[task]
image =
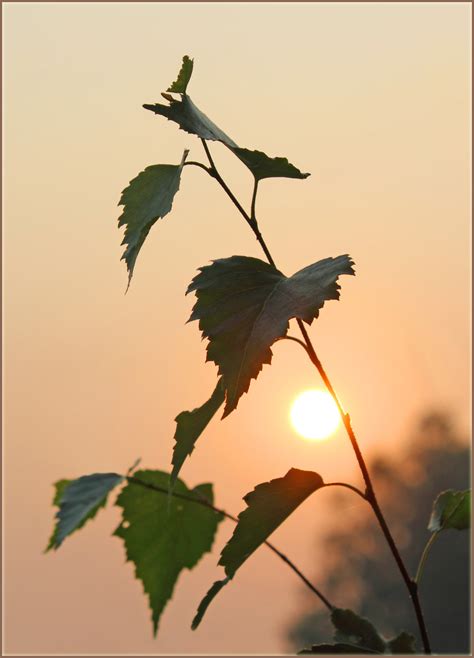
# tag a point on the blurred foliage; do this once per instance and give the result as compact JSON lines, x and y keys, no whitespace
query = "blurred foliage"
{"x":357,"y":569}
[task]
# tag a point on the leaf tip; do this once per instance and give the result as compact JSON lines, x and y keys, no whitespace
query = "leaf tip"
{"x":180,"y":85}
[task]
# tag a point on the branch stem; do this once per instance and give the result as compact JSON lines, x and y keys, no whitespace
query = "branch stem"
{"x":369,"y":493}
{"x":346,"y":486}
{"x":201,"y":500}
{"x":193,"y":163}
{"x":424,"y":555}
{"x":252,"y":222}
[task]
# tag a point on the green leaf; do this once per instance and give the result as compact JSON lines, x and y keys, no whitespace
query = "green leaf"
{"x":451,"y":509}
{"x":190,"y":118}
{"x":268,"y":505}
{"x":190,"y":425}
{"x":148,"y":198}
{"x":79,"y":501}
{"x":59,"y":488}
{"x":244,"y":305}
{"x":403,"y":643}
{"x":335,"y":648}
{"x":164,"y":535}
{"x":262,"y":166}
{"x":207,"y":600}
{"x":180,"y":84}
{"x":356,"y":630}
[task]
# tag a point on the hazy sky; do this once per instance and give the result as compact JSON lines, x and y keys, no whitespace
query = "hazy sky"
{"x":374,"y":100}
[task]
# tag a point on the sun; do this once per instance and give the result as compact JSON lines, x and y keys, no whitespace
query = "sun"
{"x":314,"y":415}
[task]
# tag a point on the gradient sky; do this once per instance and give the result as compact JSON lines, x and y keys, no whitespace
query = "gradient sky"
{"x":374,"y":100}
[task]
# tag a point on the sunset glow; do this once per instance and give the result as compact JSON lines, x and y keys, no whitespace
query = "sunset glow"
{"x":314,"y":415}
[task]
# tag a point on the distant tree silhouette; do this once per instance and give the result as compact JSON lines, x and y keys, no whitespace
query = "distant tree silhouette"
{"x":358,"y":570}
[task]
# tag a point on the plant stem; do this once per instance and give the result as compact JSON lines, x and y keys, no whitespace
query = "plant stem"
{"x":430,"y":542}
{"x":424,"y":555}
{"x":206,"y":503}
{"x":370,"y":493}
{"x":347,"y":486}
{"x":198,"y":164}
{"x":252,"y":222}
{"x":254,"y":201}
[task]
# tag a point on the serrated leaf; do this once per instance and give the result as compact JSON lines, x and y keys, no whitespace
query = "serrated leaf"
{"x":59,"y":488}
{"x":451,"y":509}
{"x":190,"y":119}
{"x":356,"y":630}
{"x":244,"y":305}
{"x":207,"y":600}
{"x":179,"y":86}
{"x":190,"y":425}
{"x":163,"y":536}
{"x":147,"y":198}
{"x":79,"y":501}
{"x":403,"y":643}
{"x":268,"y":505}
{"x":335,"y":648}
{"x":262,"y":166}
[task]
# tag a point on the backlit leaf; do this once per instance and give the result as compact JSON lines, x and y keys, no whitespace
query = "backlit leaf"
{"x":190,"y":425}
{"x":268,"y":505}
{"x":451,"y":509}
{"x":262,"y":166}
{"x":164,"y":535}
{"x":184,"y":76}
{"x":59,"y":488}
{"x":148,"y":198}
{"x":79,"y":501}
{"x":244,"y":305}
{"x":191,"y":119}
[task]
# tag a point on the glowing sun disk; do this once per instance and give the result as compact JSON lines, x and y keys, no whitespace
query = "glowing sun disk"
{"x":314,"y":415}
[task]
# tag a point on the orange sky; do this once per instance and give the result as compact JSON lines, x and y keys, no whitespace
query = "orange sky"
{"x":372,"y":99}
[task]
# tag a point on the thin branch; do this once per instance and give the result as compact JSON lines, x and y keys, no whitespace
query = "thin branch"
{"x":251,"y":222}
{"x":296,"y":340}
{"x":254,"y":201}
{"x":201,"y":500}
{"x":347,"y":486}
{"x":193,"y":163}
{"x":370,"y":493}
{"x":421,"y":565}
